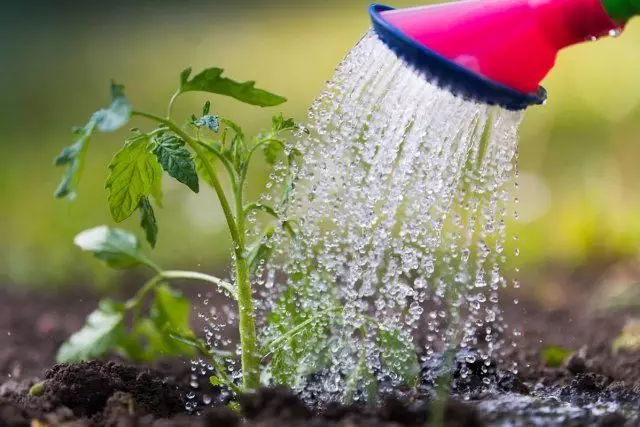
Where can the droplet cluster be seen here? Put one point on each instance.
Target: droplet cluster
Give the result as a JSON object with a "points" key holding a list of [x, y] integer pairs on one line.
{"points": [[401, 205]]}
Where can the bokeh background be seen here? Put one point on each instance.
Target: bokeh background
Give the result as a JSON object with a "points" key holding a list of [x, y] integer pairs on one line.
{"points": [[580, 178]]}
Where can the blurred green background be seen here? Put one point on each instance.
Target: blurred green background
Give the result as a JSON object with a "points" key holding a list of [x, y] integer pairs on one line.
{"points": [[579, 183]]}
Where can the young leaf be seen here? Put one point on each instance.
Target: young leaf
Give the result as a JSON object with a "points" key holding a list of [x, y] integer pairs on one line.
{"points": [[275, 146], [271, 151], [260, 252], [211, 80], [398, 355], [237, 129], [134, 173], [73, 157], [206, 108], [118, 113], [174, 158], [117, 248], [102, 331], [105, 120], [280, 124], [148, 221], [199, 162], [170, 310], [169, 317]]}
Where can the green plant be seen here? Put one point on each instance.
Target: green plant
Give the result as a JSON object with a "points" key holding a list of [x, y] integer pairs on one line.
{"points": [[191, 153]]}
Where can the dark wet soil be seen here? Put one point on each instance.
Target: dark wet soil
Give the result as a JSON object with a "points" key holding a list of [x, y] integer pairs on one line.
{"points": [[593, 386]]}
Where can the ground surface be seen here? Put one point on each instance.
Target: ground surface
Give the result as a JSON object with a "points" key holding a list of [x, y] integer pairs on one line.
{"points": [[594, 386]]}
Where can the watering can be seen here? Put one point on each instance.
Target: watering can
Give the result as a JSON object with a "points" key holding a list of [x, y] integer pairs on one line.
{"points": [[496, 51]]}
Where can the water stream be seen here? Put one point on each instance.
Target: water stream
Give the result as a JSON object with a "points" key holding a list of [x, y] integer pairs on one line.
{"points": [[401, 204]]}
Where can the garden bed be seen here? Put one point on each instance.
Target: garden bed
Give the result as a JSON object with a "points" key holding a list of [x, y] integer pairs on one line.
{"points": [[593, 387]]}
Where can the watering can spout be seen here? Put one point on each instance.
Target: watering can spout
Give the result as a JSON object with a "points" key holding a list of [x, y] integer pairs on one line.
{"points": [[512, 43]]}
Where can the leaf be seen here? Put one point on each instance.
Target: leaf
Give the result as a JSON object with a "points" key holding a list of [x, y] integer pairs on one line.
{"points": [[233, 126], [174, 158], [275, 145], [301, 353], [261, 251], [215, 381], [211, 80], [134, 173], [206, 108], [73, 157], [117, 248], [398, 355], [629, 338], [118, 113], [200, 165], [554, 356], [170, 311], [97, 336], [280, 124], [148, 221], [169, 318], [105, 120], [272, 150]]}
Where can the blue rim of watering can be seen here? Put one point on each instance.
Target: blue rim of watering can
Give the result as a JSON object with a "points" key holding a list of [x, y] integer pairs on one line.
{"points": [[446, 73]]}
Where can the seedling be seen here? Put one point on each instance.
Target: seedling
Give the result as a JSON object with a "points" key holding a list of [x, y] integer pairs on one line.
{"points": [[192, 153]]}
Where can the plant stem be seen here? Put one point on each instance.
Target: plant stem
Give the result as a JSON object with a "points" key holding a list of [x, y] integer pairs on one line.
{"points": [[171, 101], [248, 337], [247, 328], [177, 274]]}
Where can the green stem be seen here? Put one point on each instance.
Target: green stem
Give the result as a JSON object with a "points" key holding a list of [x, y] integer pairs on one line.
{"points": [[248, 336], [171, 101], [176, 274], [192, 275]]}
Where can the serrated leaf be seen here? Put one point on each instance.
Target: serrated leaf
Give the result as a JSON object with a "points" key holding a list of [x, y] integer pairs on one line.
{"points": [[176, 160], [73, 157], [117, 248], [117, 114], [398, 355], [211, 80], [148, 221], [134, 173], [100, 332]]}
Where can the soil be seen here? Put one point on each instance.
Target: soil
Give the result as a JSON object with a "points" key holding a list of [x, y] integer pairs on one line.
{"points": [[593, 386]]}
